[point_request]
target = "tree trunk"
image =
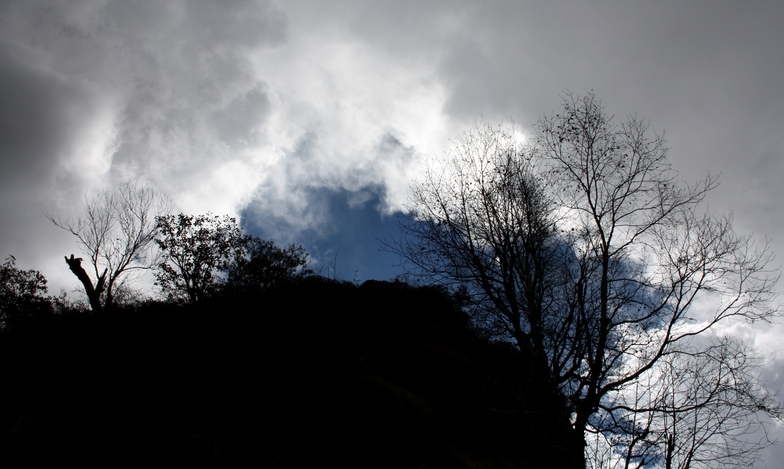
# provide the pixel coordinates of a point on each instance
(93, 292)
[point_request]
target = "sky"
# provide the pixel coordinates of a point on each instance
(309, 120)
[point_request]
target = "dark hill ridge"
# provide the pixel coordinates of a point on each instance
(315, 374)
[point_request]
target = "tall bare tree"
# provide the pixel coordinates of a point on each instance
(585, 249)
(116, 235)
(483, 222)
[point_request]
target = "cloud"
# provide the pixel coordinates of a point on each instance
(93, 92)
(219, 106)
(257, 104)
(152, 81)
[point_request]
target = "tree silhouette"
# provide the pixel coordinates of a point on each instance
(116, 234)
(264, 264)
(584, 249)
(205, 253)
(196, 250)
(22, 293)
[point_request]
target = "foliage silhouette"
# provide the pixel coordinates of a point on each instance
(204, 254)
(264, 265)
(22, 294)
(196, 250)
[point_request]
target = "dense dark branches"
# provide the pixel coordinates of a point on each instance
(586, 250)
(619, 190)
(482, 220)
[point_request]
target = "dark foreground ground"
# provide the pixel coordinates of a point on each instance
(315, 374)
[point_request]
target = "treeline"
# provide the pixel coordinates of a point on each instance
(193, 257)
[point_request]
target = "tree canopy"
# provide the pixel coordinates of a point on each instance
(202, 254)
(196, 249)
(22, 293)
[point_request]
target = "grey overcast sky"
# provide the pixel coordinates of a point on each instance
(309, 118)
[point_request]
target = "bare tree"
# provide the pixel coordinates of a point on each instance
(585, 249)
(709, 406)
(702, 407)
(483, 222)
(116, 235)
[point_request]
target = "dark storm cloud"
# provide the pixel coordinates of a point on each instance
(237, 124)
(161, 71)
(39, 116)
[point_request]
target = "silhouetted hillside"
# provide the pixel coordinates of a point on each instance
(313, 374)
